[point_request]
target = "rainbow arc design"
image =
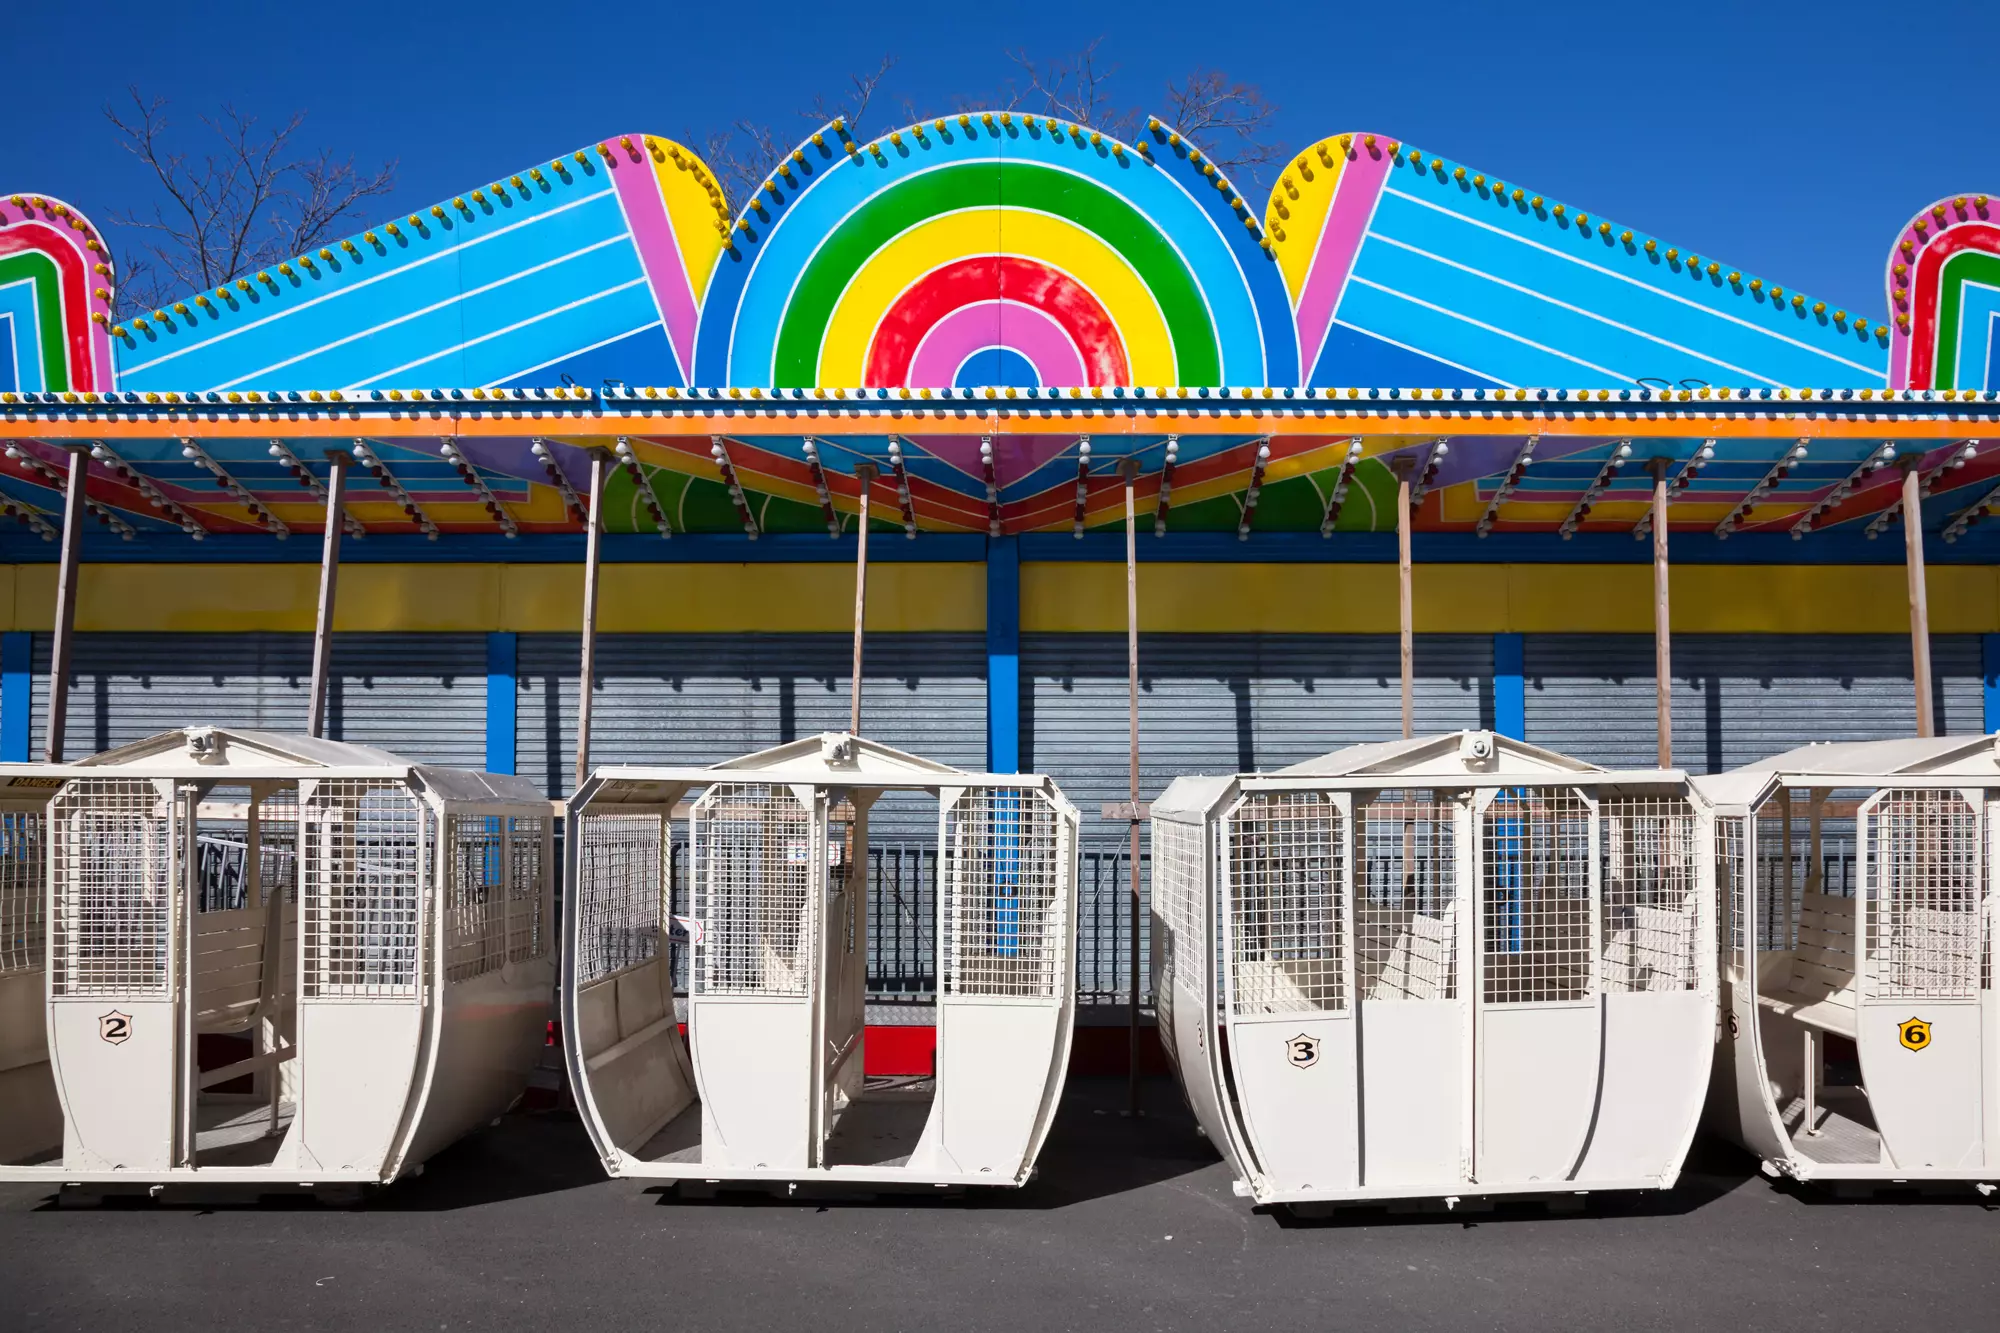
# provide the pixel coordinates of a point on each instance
(55, 286)
(1944, 286)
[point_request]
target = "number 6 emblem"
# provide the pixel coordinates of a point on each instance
(1302, 1051)
(115, 1027)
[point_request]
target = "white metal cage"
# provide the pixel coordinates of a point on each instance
(1447, 966)
(267, 958)
(1856, 960)
(771, 1081)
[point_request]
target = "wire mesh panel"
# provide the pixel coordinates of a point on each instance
(1005, 908)
(1406, 897)
(1926, 926)
(527, 932)
(621, 879)
(1178, 884)
(1535, 910)
(754, 851)
(366, 846)
(1731, 881)
(23, 890)
(475, 899)
(114, 911)
(1285, 888)
(1650, 906)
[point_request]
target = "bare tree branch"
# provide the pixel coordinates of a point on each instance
(853, 108)
(1231, 122)
(248, 203)
(1075, 88)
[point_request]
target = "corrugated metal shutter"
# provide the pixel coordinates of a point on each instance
(1215, 704)
(701, 698)
(1739, 697)
(422, 696)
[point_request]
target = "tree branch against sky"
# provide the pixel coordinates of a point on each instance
(251, 200)
(1231, 121)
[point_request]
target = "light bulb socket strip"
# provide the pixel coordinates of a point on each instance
(29, 516)
(1336, 498)
(194, 453)
(1166, 497)
(718, 449)
(990, 473)
(1845, 487)
(1977, 512)
(55, 480)
(1929, 469)
(1082, 486)
(138, 481)
(1620, 453)
(628, 458)
(371, 462)
(1777, 473)
(571, 501)
(1427, 474)
(1508, 481)
(302, 474)
(903, 500)
(471, 477)
(818, 470)
(1255, 489)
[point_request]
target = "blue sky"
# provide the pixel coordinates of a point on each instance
(1788, 139)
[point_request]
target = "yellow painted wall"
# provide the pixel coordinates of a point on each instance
(1479, 599)
(1055, 597)
(528, 598)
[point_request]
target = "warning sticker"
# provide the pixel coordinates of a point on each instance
(45, 784)
(1914, 1033)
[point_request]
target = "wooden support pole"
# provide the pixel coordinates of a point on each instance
(1920, 615)
(1129, 470)
(66, 573)
(338, 462)
(600, 462)
(865, 474)
(1663, 638)
(1404, 603)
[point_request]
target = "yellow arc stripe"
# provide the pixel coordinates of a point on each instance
(1309, 210)
(1149, 350)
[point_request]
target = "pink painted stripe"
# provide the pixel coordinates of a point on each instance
(974, 328)
(1353, 204)
(660, 255)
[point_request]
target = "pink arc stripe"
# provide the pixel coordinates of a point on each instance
(984, 324)
(1353, 204)
(660, 256)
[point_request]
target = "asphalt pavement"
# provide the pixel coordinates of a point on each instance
(1130, 1225)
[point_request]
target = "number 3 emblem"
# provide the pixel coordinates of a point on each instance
(1302, 1051)
(115, 1027)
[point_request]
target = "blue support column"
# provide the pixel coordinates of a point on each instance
(1510, 686)
(1003, 655)
(500, 725)
(17, 693)
(1989, 672)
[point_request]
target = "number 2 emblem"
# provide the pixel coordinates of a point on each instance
(1302, 1051)
(115, 1027)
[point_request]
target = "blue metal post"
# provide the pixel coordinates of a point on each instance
(1003, 655)
(1510, 686)
(1989, 671)
(17, 693)
(501, 648)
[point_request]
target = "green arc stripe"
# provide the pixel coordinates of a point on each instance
(48, 311)
(1963, 267)
(1027, 185)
